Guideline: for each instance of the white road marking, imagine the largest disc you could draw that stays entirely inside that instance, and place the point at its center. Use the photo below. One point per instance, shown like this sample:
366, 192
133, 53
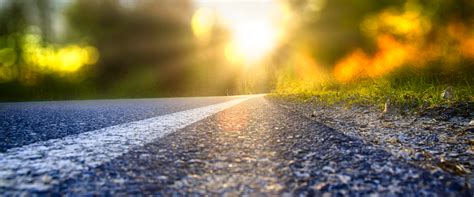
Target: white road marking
40, 165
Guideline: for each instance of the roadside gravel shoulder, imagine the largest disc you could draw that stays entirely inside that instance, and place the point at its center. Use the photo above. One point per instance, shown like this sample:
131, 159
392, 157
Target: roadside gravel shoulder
440, 139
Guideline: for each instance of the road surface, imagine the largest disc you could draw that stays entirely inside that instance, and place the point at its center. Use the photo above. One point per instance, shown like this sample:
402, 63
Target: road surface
199, 146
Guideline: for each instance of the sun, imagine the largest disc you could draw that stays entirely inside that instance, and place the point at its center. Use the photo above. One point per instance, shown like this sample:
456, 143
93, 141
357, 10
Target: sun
251, 41
254, 27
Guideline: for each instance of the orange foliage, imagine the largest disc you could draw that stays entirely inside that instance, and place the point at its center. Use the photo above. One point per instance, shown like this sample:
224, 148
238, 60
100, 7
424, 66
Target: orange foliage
352, 66
463, 37
391, 55
411, 47
358, 64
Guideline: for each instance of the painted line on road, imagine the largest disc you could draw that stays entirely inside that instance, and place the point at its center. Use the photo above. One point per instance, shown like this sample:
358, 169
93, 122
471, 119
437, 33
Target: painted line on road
39, 166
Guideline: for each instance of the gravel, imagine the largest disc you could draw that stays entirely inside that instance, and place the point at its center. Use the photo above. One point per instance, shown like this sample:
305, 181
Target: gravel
436, 139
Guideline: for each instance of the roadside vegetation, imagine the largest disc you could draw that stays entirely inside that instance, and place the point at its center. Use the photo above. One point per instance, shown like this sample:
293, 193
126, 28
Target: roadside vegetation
336, 51
410, 54
401, 90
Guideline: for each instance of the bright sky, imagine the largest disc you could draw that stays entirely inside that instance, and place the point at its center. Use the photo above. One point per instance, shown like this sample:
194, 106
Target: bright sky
253, 25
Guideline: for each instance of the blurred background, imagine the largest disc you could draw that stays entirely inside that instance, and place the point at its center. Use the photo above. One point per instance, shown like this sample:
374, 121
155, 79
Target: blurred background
85, 49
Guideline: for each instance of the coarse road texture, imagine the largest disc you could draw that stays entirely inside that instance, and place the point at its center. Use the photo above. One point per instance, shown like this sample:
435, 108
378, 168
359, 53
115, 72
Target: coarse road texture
26, 123
254, 147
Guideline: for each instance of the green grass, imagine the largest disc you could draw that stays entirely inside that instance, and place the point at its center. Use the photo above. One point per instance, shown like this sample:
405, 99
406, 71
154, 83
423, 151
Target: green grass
408, 90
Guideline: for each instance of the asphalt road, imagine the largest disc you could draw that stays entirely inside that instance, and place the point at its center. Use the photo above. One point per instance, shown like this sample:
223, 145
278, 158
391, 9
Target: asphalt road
29, 122
198, 146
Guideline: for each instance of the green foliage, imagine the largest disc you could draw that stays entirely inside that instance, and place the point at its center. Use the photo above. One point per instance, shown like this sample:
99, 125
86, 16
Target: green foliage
151, 37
